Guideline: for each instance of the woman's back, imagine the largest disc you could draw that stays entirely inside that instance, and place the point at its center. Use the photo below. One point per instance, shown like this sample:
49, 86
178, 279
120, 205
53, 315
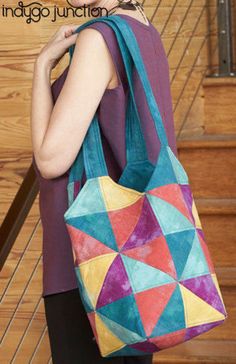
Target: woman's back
58, 267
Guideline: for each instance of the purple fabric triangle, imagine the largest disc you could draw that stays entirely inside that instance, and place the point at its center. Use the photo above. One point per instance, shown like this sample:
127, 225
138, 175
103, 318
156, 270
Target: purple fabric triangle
145, 346
200, 329
204, 287
146, 229
116, 284
187, 193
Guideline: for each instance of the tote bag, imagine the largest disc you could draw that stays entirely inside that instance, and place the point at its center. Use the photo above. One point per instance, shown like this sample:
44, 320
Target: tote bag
144, 271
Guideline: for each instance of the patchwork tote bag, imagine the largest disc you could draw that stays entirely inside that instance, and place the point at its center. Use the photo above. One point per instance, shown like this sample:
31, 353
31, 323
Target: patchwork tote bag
144, 271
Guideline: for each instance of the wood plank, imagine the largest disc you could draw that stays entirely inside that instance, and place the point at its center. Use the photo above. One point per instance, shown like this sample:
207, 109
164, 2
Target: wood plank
205, 159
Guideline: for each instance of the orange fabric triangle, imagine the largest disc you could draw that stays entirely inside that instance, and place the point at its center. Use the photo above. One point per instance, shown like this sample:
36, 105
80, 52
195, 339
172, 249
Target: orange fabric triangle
157, 298
85, 246
168, 340
124, 220
155, 253
172, 194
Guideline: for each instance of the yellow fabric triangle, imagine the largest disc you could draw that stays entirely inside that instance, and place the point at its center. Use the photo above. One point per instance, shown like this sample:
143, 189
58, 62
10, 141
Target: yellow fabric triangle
215, 280
196, 216
116, 196
108, 342
197, 311
93, 273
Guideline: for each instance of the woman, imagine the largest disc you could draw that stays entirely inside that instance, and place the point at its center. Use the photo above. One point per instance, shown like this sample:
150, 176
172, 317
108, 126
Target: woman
95, 81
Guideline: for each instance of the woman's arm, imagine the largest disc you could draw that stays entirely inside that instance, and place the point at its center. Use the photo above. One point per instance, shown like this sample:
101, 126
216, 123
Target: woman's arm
58, 130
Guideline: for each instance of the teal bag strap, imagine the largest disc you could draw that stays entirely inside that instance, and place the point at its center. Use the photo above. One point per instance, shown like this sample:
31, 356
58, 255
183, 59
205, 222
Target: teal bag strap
92, 148
136, 148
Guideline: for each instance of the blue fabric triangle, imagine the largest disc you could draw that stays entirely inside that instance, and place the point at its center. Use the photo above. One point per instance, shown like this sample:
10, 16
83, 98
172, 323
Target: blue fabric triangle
96, 225
136, 175
125, 312
179, 170
169, 217
163, 173
125, 335
143, 276
88, 201
196, 264
180, 245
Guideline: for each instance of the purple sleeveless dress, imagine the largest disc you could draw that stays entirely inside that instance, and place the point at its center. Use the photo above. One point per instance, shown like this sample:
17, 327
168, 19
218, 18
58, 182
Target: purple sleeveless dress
58, 265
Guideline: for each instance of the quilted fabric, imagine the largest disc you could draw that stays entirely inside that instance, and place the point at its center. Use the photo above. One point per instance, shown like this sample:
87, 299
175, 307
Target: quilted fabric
144, 271
142, 264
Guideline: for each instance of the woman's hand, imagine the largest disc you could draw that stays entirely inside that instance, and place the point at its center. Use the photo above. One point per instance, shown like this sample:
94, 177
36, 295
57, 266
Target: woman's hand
58, 45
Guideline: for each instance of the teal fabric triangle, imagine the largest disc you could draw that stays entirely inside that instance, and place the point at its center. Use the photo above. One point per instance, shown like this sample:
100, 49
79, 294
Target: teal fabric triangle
125, 312
127, 351
169, 217
163, 173
172, 318
83, 293
125, 335
136, 175
196, 264
96, 225
142, 276
180, 245
179, 170
89, 200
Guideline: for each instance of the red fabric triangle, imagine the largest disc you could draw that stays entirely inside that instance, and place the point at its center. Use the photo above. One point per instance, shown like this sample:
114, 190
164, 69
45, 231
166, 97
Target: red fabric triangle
168, 340
172, 194
157, 298
123, 221
155, 253
85, 246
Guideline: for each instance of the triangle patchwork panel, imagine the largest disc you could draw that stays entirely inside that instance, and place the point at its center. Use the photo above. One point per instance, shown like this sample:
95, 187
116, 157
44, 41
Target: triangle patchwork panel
180, 172
142, 276
155, 253
98, 226
196, 264
147, 228
125, 335
85, 246
87, 203
174, 308
116, 283
130, 317
115, 197
170, 219
163, 173
205, 288
156, 298
124, 220
169, 340
145, 346
198, 311
180, 245
108, 341
173, 194
93, 273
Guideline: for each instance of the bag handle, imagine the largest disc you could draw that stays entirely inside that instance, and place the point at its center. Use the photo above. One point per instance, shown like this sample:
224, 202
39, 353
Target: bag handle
136, 147
96, 165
